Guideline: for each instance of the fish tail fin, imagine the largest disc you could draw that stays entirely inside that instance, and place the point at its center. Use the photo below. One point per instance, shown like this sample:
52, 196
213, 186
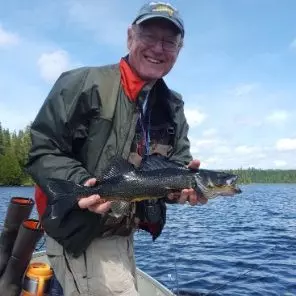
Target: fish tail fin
59, 188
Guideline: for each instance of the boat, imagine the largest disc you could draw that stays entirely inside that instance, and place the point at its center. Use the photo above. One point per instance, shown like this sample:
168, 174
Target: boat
27, 233
147, 285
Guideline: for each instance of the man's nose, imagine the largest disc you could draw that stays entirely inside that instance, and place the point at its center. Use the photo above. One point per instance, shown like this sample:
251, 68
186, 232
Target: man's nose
158, 46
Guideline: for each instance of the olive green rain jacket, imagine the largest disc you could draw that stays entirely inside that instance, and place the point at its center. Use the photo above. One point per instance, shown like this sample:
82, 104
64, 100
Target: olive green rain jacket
85, 121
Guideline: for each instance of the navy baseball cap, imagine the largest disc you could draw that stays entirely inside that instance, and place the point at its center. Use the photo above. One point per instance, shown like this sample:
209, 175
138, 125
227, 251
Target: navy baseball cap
160, 10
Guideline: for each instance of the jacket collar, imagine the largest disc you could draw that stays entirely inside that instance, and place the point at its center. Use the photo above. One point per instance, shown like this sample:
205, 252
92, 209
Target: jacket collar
131, 83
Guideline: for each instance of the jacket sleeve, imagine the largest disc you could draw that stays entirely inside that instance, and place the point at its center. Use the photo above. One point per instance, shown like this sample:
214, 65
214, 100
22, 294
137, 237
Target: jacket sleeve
67, 107
181, 151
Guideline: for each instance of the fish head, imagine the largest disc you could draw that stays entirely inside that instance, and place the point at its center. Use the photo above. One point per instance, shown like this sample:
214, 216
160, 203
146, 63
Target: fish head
215, 183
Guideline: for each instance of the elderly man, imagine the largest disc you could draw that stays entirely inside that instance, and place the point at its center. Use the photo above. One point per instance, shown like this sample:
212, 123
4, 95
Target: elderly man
91, 115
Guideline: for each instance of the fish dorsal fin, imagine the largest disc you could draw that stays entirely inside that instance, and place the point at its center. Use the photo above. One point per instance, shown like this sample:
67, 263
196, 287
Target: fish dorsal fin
153, 162
118, 166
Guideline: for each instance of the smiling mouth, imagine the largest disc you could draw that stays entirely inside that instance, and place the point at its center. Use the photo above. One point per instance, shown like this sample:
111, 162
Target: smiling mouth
153, 60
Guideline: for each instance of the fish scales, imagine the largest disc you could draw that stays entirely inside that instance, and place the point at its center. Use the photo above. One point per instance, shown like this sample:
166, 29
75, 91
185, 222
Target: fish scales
140, 184
156, 177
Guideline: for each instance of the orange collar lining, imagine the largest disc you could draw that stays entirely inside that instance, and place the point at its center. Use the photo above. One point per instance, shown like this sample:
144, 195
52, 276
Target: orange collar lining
130, 81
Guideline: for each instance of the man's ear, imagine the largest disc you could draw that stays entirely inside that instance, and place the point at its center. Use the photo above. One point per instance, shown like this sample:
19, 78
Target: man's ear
130, 36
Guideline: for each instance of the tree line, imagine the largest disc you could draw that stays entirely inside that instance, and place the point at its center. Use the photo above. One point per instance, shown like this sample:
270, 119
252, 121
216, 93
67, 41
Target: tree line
15, 146
252, 175
14, 149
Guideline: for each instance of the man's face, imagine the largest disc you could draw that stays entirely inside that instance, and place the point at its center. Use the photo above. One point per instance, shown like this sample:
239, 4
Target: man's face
153, 48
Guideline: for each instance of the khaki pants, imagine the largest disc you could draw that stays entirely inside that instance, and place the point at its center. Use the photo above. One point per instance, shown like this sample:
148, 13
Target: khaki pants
106, 268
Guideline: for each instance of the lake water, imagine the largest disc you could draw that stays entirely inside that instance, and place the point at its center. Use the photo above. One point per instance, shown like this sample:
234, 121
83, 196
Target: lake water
244, 245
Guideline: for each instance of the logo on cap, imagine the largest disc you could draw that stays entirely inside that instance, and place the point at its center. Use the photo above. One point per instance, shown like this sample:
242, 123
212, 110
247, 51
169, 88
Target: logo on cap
163, 7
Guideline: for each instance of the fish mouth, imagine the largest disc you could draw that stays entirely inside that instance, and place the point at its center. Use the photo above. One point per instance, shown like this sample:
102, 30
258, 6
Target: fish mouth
225, 185
228, 191
237, 190
231, 183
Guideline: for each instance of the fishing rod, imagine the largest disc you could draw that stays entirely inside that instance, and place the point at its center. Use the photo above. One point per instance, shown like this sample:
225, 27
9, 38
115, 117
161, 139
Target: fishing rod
172, 243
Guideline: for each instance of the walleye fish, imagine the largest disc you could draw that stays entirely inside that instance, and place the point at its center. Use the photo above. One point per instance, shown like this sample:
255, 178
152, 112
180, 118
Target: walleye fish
154, 179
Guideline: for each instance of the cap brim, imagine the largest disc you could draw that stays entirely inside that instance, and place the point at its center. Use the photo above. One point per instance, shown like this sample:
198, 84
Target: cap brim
155, 16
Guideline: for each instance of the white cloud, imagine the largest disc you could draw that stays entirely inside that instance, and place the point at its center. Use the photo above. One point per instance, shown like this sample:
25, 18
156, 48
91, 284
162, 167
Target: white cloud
206, 143
244, 89
280, 163
286, 144
243, 149
249, 153
194, 117
278, 116
198, 145
220, 154
8, 38
222, 150
210, 162
209, 132
52, 64
248, 121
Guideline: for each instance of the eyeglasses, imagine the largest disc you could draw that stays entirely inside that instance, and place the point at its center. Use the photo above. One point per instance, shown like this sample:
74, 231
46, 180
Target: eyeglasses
150, 40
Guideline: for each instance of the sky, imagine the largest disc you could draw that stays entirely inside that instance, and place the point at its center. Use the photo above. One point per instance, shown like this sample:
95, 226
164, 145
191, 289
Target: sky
236, 72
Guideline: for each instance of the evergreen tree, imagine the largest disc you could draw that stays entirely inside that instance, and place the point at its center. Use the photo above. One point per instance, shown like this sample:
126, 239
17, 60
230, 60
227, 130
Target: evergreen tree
1, 141
6, 139
10, 171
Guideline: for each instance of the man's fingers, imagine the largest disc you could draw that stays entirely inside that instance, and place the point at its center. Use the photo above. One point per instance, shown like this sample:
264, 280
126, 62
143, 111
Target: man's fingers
192, 198
194, 164
174, 195
94, 204
100, 208
90, 182
86, 202
184, 196
201, 199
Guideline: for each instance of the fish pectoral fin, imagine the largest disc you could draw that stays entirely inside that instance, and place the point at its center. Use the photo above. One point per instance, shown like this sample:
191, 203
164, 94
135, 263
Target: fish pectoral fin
119, 208
115, 214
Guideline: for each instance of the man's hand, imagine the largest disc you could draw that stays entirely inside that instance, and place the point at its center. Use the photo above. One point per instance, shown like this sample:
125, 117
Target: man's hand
94, 203
189, 194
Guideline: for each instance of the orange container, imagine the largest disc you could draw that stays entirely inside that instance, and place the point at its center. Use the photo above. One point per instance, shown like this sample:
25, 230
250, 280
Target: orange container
37, 279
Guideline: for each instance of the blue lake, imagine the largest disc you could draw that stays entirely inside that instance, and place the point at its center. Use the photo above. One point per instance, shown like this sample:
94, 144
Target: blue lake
244, 245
